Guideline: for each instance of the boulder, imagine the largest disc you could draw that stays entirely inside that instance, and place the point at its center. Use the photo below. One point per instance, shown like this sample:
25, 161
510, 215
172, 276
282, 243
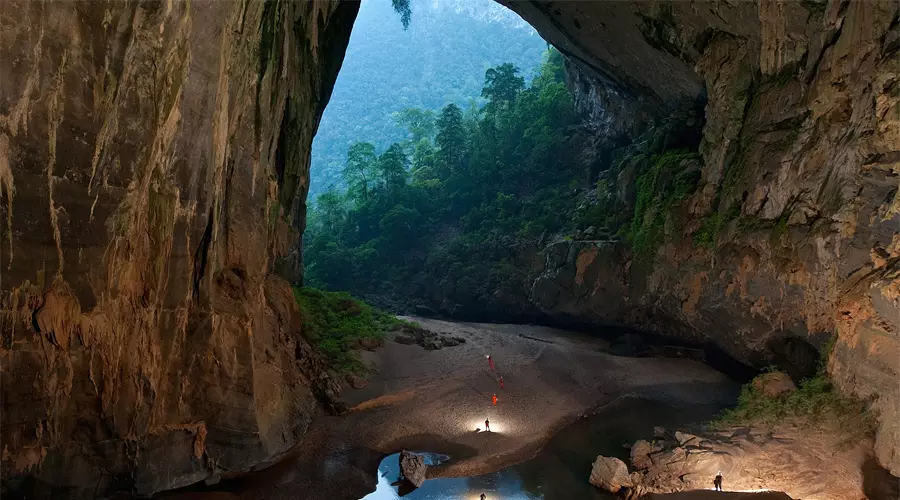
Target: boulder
412, 467
356, 381
640, 455
610, 474
774, 384
685, 438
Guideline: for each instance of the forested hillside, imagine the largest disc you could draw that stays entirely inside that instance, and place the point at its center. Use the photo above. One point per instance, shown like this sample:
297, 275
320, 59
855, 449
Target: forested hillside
450, 211
441, 58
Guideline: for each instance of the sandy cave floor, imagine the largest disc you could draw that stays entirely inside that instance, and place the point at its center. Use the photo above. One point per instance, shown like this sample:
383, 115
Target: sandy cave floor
434, 400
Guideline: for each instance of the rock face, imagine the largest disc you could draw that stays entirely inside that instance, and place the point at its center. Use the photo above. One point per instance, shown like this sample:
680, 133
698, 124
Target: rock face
799, 463
413, 468
610, 474
150, 338
791, 236
153, 174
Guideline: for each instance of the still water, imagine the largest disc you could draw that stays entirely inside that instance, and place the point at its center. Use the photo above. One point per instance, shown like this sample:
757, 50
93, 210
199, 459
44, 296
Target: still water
561, 469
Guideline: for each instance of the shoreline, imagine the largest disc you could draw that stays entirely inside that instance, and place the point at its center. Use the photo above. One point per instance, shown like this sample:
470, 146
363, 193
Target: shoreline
433, 400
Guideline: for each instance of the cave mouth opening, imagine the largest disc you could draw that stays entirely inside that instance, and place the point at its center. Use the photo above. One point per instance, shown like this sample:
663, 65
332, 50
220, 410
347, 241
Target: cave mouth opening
451, 154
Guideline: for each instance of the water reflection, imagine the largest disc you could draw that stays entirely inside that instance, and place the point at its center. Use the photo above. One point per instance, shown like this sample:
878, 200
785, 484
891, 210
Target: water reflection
504, 484
561, 470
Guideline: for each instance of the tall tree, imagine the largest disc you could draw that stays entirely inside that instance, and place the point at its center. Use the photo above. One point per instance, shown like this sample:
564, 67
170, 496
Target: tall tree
359, 171
502, 84
403, 8
330, 210
392, 167
451, 137
417, 121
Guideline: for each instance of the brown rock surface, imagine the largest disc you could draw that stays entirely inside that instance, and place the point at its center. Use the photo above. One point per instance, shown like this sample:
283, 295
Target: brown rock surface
799, 185
153, 176
803, 463
153, 170
774, 384
610, 474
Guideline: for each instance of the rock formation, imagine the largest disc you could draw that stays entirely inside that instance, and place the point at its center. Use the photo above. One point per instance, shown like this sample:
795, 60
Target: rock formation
149, 337
792, 233
413, 468
797, 462
610, 474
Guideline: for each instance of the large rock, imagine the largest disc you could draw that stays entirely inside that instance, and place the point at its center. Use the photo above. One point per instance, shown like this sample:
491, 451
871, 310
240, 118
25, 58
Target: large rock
819, 465
413, 467
610, 474
800, 148
640, 455
774, 384
153, 175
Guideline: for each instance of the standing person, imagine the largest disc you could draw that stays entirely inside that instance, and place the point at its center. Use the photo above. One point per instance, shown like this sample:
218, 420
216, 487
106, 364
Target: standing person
501, 381
483, 496
717, 482
490, 361
494, 399
487, 425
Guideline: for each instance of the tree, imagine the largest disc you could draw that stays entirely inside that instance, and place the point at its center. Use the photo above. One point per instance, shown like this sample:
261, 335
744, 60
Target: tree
330, 210
359, 171
417, 121
403, 8
392, 167
451, 138
502, 84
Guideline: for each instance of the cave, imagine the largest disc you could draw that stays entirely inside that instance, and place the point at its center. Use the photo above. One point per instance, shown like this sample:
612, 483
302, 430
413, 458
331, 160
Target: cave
154, 172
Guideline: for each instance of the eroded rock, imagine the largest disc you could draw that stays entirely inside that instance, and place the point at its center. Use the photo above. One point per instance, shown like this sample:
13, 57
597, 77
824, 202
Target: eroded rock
610, 474
153, 166
774, 384
413, 467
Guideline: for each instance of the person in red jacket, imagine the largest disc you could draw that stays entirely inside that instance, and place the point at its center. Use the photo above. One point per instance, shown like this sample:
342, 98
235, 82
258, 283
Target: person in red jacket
490, 361
501, 381
494, 399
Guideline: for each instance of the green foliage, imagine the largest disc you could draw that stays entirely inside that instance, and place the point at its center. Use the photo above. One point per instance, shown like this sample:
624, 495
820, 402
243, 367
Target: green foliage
417, 121
502, 84
815, 402
403, 8
708, 234
440, 59
453, 217
658, 189
360, 170
336, 323
450, 138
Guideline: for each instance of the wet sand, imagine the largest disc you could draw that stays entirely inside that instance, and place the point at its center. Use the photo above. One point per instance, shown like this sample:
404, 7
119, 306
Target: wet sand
435, 400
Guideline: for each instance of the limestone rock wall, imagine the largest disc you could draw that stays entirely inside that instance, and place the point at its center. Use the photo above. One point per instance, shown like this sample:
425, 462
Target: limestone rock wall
153, 173
799, 182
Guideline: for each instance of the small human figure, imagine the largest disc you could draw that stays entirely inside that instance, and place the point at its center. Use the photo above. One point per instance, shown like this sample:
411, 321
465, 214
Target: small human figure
494, 399
487, 425
501, 381
717, 482
490, 361
483, 496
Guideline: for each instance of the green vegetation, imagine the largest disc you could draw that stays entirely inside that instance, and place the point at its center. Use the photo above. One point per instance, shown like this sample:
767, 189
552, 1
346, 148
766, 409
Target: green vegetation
448, 208
815, 402
708, 233
659, 188
440, 59
337, 324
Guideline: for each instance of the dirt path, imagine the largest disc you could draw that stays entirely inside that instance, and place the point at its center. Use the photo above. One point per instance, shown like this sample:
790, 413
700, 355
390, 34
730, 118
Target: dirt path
435, 400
